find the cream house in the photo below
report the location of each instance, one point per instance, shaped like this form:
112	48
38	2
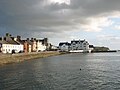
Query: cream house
40	46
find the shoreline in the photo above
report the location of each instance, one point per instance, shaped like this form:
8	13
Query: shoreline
20	57
16	58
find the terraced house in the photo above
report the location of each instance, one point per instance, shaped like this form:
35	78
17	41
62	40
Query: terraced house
9	45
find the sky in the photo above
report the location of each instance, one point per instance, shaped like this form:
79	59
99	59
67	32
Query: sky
97	21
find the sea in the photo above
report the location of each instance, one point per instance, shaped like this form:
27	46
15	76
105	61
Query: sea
75	71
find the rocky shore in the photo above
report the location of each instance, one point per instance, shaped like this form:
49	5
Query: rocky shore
15	58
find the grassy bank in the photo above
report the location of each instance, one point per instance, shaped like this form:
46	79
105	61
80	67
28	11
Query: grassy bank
15	58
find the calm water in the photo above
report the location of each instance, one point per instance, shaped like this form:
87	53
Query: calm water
99	71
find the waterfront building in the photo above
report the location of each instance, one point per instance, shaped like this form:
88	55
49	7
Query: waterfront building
9	45
27	45
45	41
48	45
4	46
75	46
64	46
40	46
81	45
34	44
20	42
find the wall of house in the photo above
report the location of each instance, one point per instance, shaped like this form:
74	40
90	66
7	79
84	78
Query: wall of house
7	48
30	48
85	45
64	47
40	47
27	47
80	45
73	46
34	46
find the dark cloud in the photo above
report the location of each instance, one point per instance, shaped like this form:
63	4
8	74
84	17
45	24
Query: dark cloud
37	16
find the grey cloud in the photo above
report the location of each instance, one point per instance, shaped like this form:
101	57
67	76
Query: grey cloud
28	15
89	8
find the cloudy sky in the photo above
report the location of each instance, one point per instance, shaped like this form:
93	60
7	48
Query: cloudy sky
97	21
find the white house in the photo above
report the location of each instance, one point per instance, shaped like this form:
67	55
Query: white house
75	46
9	45
80	46
40	46
64	46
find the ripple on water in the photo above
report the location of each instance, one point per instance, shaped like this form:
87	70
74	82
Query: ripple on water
98	72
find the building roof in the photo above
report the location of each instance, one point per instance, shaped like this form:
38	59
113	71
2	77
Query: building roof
66	43
13	42
28	41
76	41
20	41
3	42
8	42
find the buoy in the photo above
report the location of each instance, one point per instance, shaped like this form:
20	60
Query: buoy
80	68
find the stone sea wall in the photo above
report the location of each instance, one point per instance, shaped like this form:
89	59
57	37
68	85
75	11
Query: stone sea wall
15	58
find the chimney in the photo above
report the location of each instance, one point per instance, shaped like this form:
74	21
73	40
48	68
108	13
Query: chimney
27	39
35	39
4	38
0	38
8	35
12	38
32	39
45	41
18	38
